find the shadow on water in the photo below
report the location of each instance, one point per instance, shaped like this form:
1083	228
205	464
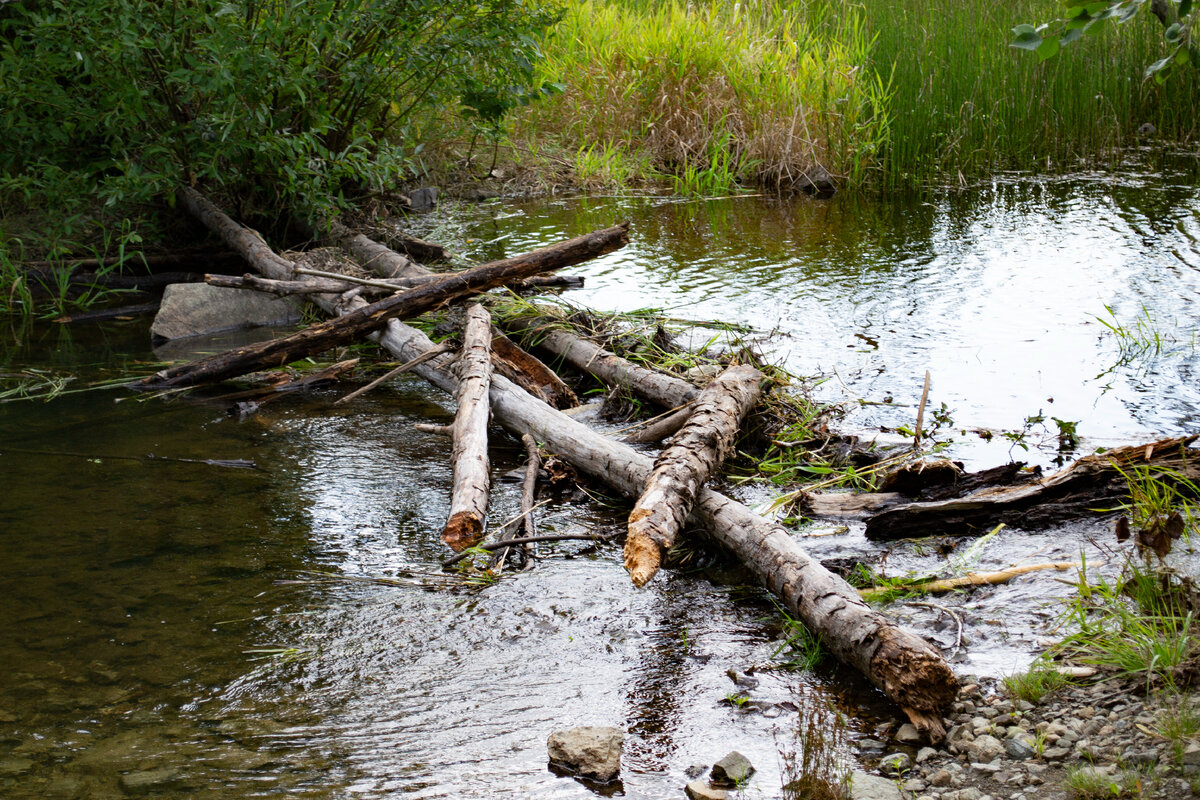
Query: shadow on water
148	649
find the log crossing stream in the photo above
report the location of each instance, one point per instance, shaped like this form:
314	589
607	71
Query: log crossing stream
149	649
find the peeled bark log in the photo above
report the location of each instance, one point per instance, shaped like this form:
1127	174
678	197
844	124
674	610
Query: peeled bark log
610	369
240	239
362	321
1081	490
684	466
371	254
472	473
903	665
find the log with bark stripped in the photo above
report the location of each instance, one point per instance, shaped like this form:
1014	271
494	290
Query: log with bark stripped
472	472
684	466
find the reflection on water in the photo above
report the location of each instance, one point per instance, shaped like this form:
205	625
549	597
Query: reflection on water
149	650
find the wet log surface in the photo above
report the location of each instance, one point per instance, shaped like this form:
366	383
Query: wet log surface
1091	486
693	455
472	470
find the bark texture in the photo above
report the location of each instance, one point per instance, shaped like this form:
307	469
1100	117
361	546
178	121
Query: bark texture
660	429
684	466
529	373
472	472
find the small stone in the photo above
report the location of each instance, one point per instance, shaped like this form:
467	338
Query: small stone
864	786
914	785
924	754
908	734
732	770
1137	758
991	768
589	751
1191	756
701	790
1024	706
940	778
695	771
1020	748
870	746
894	764
985	748
423	199
1056	753
149	780
742	679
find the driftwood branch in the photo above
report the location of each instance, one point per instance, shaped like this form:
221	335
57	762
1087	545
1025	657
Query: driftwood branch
970	579
472	472
444	347
684	466
660	428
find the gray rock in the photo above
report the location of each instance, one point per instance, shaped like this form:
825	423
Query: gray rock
12	766
695	771
924	754
940	778
194	309
864	786
908	734
589	751
1191	756
985	748
894	764
1056	753
732	770
1020	748
701	790
149	780
424	199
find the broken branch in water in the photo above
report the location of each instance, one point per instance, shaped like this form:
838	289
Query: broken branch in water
970	579
444	347
232	463
557	537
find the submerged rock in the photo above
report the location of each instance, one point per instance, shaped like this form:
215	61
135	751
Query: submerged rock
589	751
194	309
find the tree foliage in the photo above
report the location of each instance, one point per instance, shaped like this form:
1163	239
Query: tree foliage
1090	17
299	103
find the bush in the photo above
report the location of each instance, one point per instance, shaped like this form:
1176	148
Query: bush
287	104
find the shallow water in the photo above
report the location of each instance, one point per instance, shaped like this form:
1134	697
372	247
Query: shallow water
149	649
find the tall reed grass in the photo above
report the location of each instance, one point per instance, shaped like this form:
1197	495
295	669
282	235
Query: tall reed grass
713	93
963	102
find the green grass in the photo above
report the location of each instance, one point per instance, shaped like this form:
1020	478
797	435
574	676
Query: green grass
1040	680
1091	783
1179	722
712	93
963	102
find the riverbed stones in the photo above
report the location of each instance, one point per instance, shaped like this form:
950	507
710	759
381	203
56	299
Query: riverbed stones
196	309
590	751
908	734
865	786
150	780
894	765
732	770
703	790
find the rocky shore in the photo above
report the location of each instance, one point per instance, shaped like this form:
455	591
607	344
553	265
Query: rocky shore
1106	739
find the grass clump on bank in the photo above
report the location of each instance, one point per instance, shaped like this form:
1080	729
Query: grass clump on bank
711	94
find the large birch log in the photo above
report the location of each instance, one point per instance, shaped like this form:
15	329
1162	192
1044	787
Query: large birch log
610	369
1084	489
903	665
472	474
684	466
366	319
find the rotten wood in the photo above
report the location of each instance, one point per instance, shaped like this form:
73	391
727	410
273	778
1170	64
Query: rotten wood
1084	489
904	666
369	318
612	370
530	373
472	471
695	454
412	246
426	427
444	347
286	385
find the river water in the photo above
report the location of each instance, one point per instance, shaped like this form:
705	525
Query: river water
149	648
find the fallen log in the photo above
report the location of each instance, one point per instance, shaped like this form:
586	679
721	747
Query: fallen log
366	319
903	665
695	453
472	474
105	314
527	529
660	428
608	368
970	579
264	394
530	373
1093	485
